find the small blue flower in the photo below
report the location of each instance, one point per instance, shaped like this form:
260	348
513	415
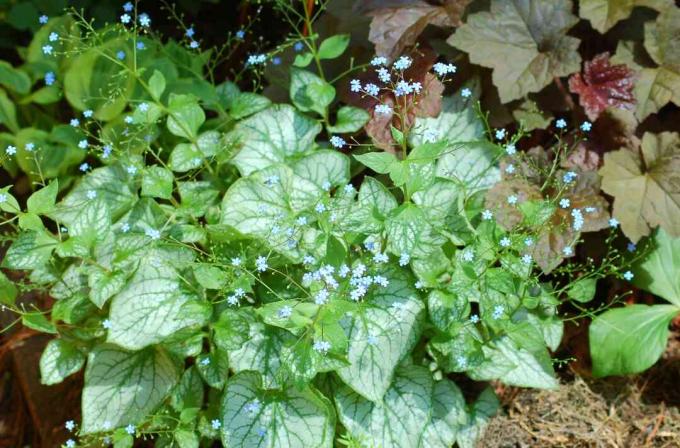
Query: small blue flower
125	18
505	242
298	46
586	126
106	324
337	142
500	134
240	34
47	49
403	63
498	312
190	32
568	177
628	275
84	167
512	199
70	443
193	44
120	55
565	203
466	93
631	247
526	259
130	429
49	78
276	60
568	251
404	259
127	7
474	319
613	223
561	123
74	122
383	109
215	424
43	19
53	37
82	144
144	20
140	45
487	215
510	149
70	425
88	113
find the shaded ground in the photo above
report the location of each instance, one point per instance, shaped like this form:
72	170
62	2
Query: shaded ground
641	411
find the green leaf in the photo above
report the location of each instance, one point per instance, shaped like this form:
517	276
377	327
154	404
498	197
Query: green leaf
185	116
629	339
324	166
380	162
93	81
334	46
152	305
214	368
658	271
409	231
349	119
515	366
415	412
14	79
9	203
30	250
8	292
210	277
157	182
473	165
37	321
261	352
525	42
8	112
254	204
189	392
271	136
252	416
303	60
157	85
248	103
582	290
309	92
186	439
123	387
486	406
104	285
59	360
381	333
42	201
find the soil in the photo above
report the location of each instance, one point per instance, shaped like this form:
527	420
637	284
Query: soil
615	412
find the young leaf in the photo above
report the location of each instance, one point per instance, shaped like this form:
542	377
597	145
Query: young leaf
303	60
42	201
524	42
333	46
582	290
59	360
309	92
603	85
8	292
253	416
380	162
157	85
123	387
349	119
629	339
185	116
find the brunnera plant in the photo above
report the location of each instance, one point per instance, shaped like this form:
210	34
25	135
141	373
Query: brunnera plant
225	268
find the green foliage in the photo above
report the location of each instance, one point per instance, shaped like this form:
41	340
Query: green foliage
247	267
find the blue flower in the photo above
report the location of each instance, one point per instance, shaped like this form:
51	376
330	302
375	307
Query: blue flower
125	18
512	199
498	311
130	429
120	55
127	7
276	60
628	275
88	113
466	93
526	259
261	264
53	37
403	63
193	45
568	177
565	203
43	19
82	144
215	424
298	46
586	126
510	149
561	123
106	324
404	259
240	34
631	247
74	122
338	142
144	20
140	45
442	69
49	78
487	215
500	134
70	425
47	49
383	109
190	32
568	251
613	223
